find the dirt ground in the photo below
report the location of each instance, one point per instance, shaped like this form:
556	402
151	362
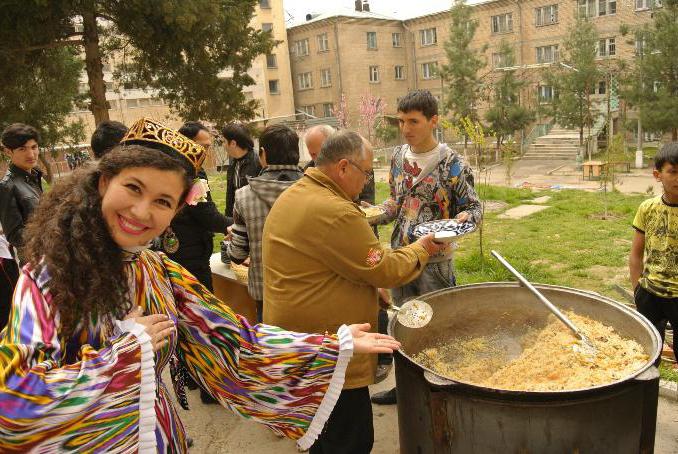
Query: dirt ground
218	431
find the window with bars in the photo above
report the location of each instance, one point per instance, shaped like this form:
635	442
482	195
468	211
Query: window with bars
647	4
596	8
371	40
399	72
271	61
607	47
499	60
396	39
545	94
267	27
428	37
305	81
301	47
429	70
546	15
547	54
325	77
502	23
264	4
374	74
310	110
323	42
274	87
328	109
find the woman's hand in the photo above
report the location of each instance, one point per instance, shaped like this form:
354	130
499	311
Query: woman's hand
366	342
158	326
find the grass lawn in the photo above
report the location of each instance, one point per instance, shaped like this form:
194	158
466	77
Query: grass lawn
568	244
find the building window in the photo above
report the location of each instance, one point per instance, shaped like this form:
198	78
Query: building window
305	81
267	27
429	70
323	43
397	40
502	23
301	47
157	102
271	61
647	4
264	4
274	87
596	8
399	72
547	54
132	103
325	77
109	85
601	89
545	94
310	110
546	15
607	47
428	37
374	74
499	60
371	40
641	44
328	109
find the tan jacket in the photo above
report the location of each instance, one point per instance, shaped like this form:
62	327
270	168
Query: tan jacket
323	265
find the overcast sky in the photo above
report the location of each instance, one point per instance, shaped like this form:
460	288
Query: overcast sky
401	9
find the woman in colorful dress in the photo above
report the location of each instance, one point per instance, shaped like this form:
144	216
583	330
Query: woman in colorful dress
96	317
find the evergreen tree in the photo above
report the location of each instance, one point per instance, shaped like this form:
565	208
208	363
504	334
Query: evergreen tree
574	80
460	74
651	83
196	53
506	114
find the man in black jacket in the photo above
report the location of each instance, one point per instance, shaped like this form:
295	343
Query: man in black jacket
243	162
195	225
21	187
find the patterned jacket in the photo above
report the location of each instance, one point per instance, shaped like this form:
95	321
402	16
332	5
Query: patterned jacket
439	193
252	204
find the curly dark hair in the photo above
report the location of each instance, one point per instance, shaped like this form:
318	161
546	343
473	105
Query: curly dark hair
68	236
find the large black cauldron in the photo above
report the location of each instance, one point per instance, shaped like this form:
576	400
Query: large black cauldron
437	415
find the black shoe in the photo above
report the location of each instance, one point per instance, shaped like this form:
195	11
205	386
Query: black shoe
384	397
189	442
206	398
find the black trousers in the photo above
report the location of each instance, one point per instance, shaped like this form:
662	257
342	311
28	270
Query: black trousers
658	311
349	429
9	274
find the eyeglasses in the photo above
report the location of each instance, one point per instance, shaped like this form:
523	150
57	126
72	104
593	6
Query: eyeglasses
368	173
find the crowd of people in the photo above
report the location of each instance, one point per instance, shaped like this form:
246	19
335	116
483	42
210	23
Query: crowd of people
112	283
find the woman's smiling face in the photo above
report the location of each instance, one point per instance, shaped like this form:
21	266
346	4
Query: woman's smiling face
139	203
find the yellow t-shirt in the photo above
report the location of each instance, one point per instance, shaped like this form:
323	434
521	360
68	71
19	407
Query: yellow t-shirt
659	222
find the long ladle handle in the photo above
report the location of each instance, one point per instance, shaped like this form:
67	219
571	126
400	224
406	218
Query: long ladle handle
538	294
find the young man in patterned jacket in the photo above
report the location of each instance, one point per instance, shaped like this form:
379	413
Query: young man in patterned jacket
428	182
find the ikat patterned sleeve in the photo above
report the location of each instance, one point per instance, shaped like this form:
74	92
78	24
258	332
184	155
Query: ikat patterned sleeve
288	381
102	401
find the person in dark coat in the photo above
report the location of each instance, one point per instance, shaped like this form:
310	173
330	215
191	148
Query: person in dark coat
21	187
194	227
243	162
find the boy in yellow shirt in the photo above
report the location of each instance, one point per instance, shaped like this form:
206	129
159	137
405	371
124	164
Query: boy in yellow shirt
653	261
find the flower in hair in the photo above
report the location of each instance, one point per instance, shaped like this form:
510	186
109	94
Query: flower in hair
198	192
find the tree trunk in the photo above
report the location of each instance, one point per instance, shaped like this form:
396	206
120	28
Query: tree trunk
674	134
93	65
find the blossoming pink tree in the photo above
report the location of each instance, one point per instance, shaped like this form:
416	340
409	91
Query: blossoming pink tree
370	109
341	112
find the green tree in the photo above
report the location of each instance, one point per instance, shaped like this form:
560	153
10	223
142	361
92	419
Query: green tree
38	87
460	74
651	82
575	78
196	53
506	114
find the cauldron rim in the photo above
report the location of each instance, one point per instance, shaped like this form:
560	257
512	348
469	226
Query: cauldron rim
445	382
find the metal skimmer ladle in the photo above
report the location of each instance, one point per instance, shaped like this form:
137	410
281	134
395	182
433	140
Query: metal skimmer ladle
586	345
414	313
